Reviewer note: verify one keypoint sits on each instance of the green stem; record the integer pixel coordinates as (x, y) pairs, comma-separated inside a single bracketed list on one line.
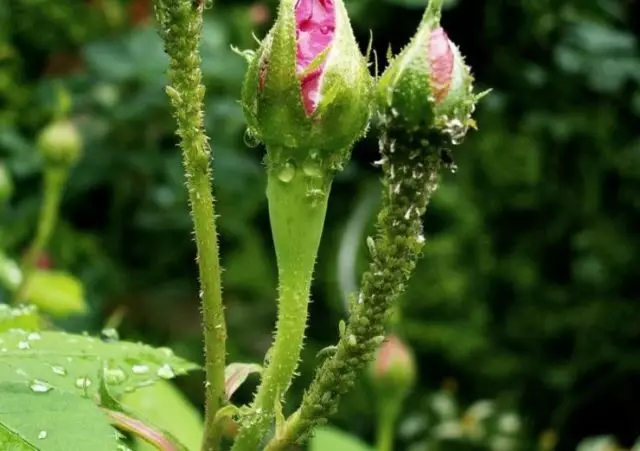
[(181, 28), (411, 177), (388, 413), (54, 181), (297, 222)]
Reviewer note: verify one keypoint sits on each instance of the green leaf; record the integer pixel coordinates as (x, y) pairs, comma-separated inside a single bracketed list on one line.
[(56, 292), (330, 438), (54, 421), (49, 360), (164, 406), (24, 317)]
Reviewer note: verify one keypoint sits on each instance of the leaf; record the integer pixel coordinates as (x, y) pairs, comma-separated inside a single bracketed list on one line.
[(70, 362), (24, 317), (56, 292), (236, 373), (53, 421), (330, 438), (164, 406)]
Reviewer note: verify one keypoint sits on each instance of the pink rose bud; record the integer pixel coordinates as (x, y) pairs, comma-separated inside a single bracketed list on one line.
[(393, 370), (307, 90), (428, 87)]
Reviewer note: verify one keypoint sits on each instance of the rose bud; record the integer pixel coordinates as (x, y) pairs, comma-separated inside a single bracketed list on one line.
[(60, 143), (428, 86), (306, 93), (393, 370)]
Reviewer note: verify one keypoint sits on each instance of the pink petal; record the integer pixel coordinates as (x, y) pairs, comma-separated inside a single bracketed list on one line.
[(441, 59), (315, 30)]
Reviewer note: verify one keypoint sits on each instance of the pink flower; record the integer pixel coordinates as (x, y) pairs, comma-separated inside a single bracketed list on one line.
[(442, 59), (315, 30)]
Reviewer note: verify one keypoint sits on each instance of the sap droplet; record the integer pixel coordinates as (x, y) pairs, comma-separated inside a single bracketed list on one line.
[(42, 435), (166, 372), (312, 167), (140, 369), (287, 173), (114, 376), (83, 382), (38, 386), (34, 336), (24, 345), (110, 334), (60, 371), (251, 138)]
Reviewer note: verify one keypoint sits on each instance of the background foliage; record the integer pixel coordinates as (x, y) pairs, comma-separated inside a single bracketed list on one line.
[(525, 294)]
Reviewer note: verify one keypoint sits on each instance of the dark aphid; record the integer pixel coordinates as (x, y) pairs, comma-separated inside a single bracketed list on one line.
[(446, 156)]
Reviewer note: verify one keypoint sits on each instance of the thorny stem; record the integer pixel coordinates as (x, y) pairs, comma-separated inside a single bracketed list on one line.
[(411, 177), (180, 24), (54, 181), (297, 222)]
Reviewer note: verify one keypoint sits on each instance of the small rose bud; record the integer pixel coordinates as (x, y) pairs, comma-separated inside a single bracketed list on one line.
[(428, 86), (6, 185), (307, 87), (60, 143), (393, 370)]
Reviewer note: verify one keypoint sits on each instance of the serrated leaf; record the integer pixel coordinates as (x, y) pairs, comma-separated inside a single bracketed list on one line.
[(328, 438), (236, 373), (53, 421), (68, 362), (56, 292), (164, 406), (23, 317)]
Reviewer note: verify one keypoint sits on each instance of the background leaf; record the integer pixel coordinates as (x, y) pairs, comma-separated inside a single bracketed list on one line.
[(53, 421), (328, 438)]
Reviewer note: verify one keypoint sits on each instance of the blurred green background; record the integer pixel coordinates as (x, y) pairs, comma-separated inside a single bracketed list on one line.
[(525, 294)]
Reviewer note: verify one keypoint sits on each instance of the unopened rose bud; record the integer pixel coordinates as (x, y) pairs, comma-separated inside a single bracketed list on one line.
[(6, 185), (428, 86), (307, 88), (393, 370), (60, 143)]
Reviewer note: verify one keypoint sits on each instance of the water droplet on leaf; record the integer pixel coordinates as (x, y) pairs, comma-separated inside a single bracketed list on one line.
[(114, 376), (60, 371), (38, 386), (166, 372), (140, 369), (83, 382), (110, 334)]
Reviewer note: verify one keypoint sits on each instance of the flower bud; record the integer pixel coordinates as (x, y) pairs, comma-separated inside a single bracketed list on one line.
[(6, 184), (393, 369), (307, 88), (428, 86), (60, 143)]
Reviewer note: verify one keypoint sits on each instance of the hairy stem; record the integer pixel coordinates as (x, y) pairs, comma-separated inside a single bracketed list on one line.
[(411, 176), (54, 181), (181, 26), (297, 222)]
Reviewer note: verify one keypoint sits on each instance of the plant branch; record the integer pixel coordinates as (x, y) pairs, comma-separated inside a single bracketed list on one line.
[(410, 178), (297, 222), (181, 27), (54, 181)]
